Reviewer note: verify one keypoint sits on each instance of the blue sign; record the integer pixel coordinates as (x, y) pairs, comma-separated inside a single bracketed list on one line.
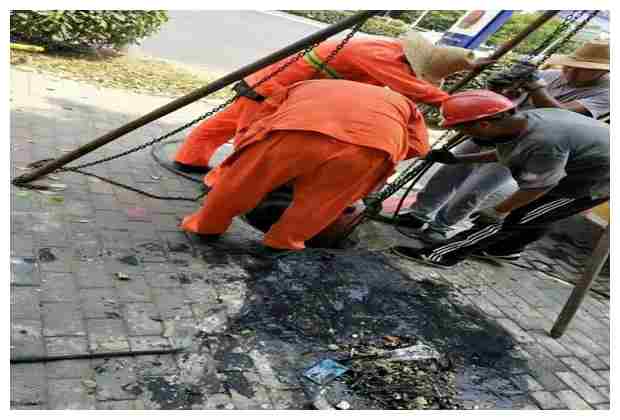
[(475, 27)]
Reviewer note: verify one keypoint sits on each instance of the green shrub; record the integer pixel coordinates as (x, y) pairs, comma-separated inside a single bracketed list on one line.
[(378, 25), (69, 29)]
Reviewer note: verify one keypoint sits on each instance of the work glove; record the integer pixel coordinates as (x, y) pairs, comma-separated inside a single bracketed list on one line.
[(442, 155), (488, 216)]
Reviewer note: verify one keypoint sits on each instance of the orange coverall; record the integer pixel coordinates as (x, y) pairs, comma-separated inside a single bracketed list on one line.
[(334, 140), (375, 62)]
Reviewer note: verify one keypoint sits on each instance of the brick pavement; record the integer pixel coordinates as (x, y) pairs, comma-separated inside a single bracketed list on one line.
[(96, 268)]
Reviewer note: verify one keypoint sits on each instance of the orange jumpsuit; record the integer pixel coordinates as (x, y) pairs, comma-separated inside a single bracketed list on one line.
[(334, 140), (375, 62)]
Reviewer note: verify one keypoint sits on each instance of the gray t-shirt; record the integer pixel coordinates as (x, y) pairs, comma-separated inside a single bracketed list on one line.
[(560, 149), (594, 98)]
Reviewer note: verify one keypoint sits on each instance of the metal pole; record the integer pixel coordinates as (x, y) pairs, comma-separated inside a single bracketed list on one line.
[(501, 51), (197, 94), (599, 256)]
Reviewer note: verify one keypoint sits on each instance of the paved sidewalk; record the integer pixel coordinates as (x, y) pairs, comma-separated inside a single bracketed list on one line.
[(95, 268)]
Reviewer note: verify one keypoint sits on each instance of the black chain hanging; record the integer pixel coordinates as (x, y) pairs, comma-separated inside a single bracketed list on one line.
[(295, 58)]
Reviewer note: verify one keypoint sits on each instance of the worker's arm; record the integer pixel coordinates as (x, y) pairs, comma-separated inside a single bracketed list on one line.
[(541, 98)]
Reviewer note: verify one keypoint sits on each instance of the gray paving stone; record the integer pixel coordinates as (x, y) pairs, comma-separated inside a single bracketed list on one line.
[(532, 384), (587, 342), (575, 348), (143, 319), (171, 302), (25, 303), (59, 287), (28, 384), (549, 343), (149, 343), (114, 379), (26, 338), (584, 371), (106, 335), (602, 406), (63, 318), (603, 390), (100, 303), (65, 369), (57, 346), (589, 394), (604, 374), (525, 321), (218, 402), (54, 259), (22, 246), (92, 276), (69, 394), (594, 363), (547, 401), (572, 400), (111, 219), (135, 289), (515, 330), (117, 405), (547, 378)]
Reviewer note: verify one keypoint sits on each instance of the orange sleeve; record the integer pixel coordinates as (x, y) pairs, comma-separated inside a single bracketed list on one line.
[(417, 134), (398, 76)]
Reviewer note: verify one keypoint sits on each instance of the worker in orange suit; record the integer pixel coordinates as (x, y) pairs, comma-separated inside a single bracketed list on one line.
[(335, 141), (411, 66)]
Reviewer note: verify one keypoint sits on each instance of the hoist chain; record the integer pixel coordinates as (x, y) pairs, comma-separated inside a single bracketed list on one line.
[(295, 58)]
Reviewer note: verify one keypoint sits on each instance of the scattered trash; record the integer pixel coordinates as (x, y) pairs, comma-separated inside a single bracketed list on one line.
[(169, 328), (418, 352), (321, 403), (130, 260), (325, 371), (22, 193), (122, 276), (57, 187), (343, 405), (90, 384), (333, 347), (82, 221), (46, 255), (391, 341), (57, 199), (54, 178), (156, 178), (112, 315)]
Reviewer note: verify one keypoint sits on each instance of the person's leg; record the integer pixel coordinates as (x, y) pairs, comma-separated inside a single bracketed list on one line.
[(204, 140), (439, 188), (483, 181), (540, 212), (320, 196)]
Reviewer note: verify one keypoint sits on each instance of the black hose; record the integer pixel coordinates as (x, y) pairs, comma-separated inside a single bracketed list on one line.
[(44, 359)]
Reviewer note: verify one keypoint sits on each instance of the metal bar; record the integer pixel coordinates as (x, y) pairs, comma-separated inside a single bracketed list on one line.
[(505, 48), (599, 256), (197, 94), (44, 359)]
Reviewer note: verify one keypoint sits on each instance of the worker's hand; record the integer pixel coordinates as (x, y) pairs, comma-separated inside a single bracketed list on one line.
[(442, 155), (535, 83), (488, 216)]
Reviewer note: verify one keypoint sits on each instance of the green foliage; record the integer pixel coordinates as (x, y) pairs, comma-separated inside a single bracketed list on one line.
[(66, 29), (378, 25)]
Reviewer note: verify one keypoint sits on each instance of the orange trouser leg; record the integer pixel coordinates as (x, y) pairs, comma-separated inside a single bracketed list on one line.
[(204, 140), (255, 171), (320, 196)]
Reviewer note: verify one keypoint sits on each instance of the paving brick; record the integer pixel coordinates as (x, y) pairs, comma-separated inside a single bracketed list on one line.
[(532, 384), (547, 400), (603, 390), (594, 363), (602, 406), (135, 289), (525, 321), (22, 246), (550, 343), (588, 393), (547, 378), (118, 405), (62, 319), (172, 303), (515, 330), (93, 275), (575, 348), (111, 219), (149, 343), (100, 303), (604, 358), (59, 287), (203, 293), (587, 342), (65, 369), (584, 371), (572, 400), (143, 319), (28, 384), (57, 346), (25, 303), (114, 379), (69, 394), (26, 338), (105, 335)]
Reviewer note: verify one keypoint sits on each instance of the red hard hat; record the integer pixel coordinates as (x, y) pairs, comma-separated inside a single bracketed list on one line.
[(472, 105)]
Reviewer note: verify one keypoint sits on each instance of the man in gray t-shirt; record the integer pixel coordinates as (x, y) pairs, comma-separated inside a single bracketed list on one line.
[(559, 159), (454, 192)]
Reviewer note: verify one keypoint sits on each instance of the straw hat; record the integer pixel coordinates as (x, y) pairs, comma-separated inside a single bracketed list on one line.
[(593, 55), (434, 63)]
